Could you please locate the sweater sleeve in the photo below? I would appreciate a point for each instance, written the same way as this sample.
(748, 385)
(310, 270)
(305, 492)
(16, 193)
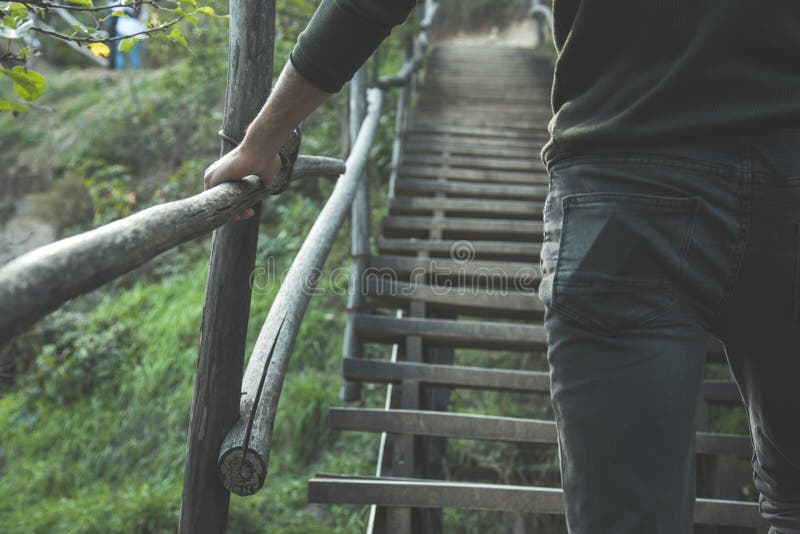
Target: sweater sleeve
(340, 37)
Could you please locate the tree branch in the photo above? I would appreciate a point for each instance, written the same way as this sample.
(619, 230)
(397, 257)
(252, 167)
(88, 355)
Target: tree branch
(50, 5)
(89, 40)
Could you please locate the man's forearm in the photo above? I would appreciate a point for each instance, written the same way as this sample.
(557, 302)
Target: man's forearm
(291, 101)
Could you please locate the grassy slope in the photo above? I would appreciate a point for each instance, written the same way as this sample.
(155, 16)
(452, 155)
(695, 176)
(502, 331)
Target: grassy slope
(94, 432)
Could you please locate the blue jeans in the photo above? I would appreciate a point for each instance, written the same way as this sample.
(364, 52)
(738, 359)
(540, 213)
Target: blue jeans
(647, 253)
(134, 57)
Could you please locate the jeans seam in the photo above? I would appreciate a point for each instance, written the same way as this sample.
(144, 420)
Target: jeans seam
(743, 234)
(645, 159)
(796, 304)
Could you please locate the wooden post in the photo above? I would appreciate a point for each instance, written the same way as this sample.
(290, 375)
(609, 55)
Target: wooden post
(353, 348)
(204, 505)
(401, 121)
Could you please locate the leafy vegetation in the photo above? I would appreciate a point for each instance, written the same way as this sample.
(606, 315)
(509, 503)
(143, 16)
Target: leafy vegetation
(95, 426)
(82, 23)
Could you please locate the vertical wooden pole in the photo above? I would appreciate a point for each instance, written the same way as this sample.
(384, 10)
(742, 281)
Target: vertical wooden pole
(215, 407)
(353, 348)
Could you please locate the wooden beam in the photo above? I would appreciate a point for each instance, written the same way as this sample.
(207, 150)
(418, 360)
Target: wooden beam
(714, 391)
(477, 496)
(484, 427)
(204, 502)
(40, 281)
(458, 300)
(524, 274)
(244, 456)
(508, 209)
(515, 191)
(466, 227)
(474, 175)
(484, 249)
(450, 333)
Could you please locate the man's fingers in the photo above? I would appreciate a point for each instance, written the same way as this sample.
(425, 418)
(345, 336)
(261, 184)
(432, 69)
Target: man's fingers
(246, 214)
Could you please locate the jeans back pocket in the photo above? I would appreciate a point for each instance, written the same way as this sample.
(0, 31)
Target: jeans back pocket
(621, 257)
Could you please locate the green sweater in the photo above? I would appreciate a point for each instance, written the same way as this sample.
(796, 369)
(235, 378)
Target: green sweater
(629, 72)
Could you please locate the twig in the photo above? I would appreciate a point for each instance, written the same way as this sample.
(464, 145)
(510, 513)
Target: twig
(89, 40)
(51, 5)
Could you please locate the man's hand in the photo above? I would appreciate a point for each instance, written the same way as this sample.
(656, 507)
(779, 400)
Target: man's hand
(241, 162)
(288, 105)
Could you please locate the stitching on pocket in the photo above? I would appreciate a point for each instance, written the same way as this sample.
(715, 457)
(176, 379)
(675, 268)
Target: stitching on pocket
(687, 206)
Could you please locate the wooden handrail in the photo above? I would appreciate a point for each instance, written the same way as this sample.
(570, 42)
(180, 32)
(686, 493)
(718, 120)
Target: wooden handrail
(244, 454)
(40, 281)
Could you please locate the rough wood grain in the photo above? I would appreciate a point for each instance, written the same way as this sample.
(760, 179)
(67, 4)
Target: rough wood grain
(359, 237)
(204, 502)
(244, 456)
(42, 280)
(435, 493)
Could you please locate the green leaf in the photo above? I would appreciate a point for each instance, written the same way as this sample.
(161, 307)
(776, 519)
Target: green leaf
(206, 10)
(178, 37)
(10, 105)
(87, 3)
(28, 84)
(188, 17)
(127, 44)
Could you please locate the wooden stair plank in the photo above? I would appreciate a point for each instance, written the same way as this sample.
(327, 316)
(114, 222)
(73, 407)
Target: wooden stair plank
(376, 371)
(500, 303)
(493, 428)
(473, 132)
(523, 146)
(485, 191)
(499, 208)
(476, 162)
(522, 275)
(506, 250)
(466, 226)
(449, 333)
(474, 175)
(443, 424)
(447, 375)
(479, 496)
(527, 151)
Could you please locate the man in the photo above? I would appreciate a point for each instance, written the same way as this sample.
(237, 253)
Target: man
(673, 215)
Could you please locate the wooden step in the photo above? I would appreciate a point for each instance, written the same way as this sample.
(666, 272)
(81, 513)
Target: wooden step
(525, 146)
(376, 371)
(449, 333)
(470, 132)
(465, 228)
(472, 190)
(527, 151)
(474, 175)
(532, 164)
(494, 428)
(470, 98)
(522, 127)
(469, 250)
(456, 300)
(478, 496)
(522, 275)
(499, 208)
(460, 93)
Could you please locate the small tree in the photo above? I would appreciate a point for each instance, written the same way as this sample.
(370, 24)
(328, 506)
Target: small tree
(21, 22)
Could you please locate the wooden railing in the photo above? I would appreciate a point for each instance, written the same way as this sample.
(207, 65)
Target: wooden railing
(228, 408)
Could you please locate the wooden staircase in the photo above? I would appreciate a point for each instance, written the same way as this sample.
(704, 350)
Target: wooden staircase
(457, 269)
